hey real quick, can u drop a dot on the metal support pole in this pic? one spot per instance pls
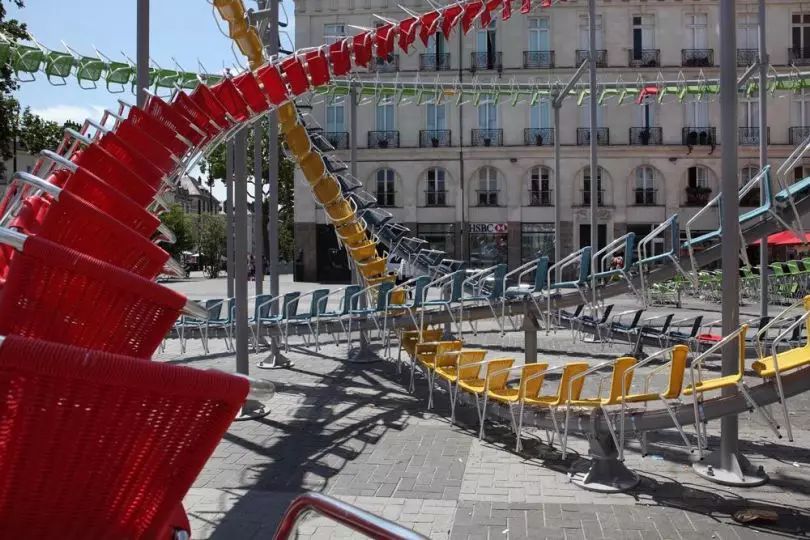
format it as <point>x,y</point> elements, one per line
<point>557,189</point>
<point>229,166</point>
<point>258,211</point>
<point>529,333</point>
<point>764,62</point>
<point>727,466</point>
<point>593,140</point>
<point>356,278</point>
<point>272,151</point>
<point>241,252</point>
<point>142,51</point>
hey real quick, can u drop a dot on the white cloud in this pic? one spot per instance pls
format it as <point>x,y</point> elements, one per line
<point>61,113</point>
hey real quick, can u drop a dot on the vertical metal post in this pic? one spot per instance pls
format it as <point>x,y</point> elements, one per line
<point>229,167</point>
<point>727,466</point>
<point>557,194</point>
<point>241,252</point>
<point>764,62</point>
<point>353,168</point>
<point>272,151</point>
<point>142,51</point>
<point>593,128</point>
<point>258,210</point>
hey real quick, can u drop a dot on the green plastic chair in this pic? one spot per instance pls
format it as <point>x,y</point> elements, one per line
<point>58,67</point>
<point>161,78</point>
<point>26,60</point>
<point>89,71</point>
<point>777,269</point>
<point>793,268</point>
<point>187,81</point>
<point>119,74</point>
<point>209,79</point>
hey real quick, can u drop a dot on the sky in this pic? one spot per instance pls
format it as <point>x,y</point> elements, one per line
<point>183,30</point>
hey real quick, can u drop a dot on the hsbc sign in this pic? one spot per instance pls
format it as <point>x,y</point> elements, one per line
<point>488,228</point>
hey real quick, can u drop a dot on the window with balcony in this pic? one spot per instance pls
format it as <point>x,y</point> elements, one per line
<point>799,54</point>
<point>386,134</point>
<point>388,64</point>
<point>540,132</point>
<point>585,42</point>
<point>488,132</point>
<point>486,55</point>
<point>334,32</point>
<point>336,122</point>
<point>540,187</point>
<point>584,130</point>
<point>697,131</point>
<point>646,130</point>
<point>435,57</point>
<point>799,116</point>
<point>697,186</point>
<point>645,186</point>
<point>752,197</point>
<point>539,54</point>
<point>749,131</point>
<point>436,188</point>
<point>586,187</point>
<point>643,52</point>
<point>487,187</point>
<point>697,52</point>
<point>386,187</point>
<point>747,39</point>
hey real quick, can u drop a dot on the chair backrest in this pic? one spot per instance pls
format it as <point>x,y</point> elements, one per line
<point>696,326</point>
<point>621,381</point>
<point>230,306</point>
<point>667,322</point>
<point>348,303</point>
<point>471,356</point>
<point>99,482</point>
<point>443,359</point>
<point>606,313</point>
<point>318,304</point>
<point>419,285</point>
<point>262,308</point>
<point>636,318</point>
<point>214,308</point>
<point>457,285</point>
<point>585,264</point>
<point>383,295</point>
<point>675,236</point>
<point>677,369</point>
<point>569,372</point>
<point>499,364</point>
<point>629,245</point>
<point>289,306</point>
<point>531,388</point>
<point>497,287</point>
<point>541,274</point>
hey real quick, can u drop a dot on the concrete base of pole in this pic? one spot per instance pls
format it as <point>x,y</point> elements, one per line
<point>275,360</point>
<point>252,410</point>
<point>603,473</point>
<point>362,355</point>
<point>741,473</point>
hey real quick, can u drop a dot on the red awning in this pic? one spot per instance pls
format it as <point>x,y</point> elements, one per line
<point>785,238</point>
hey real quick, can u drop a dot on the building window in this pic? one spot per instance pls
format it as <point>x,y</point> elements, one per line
<point>436,192</point>
<point>485,42</point>
<point>385,187</point>
<point>645,186</point>
<point>488,187</point>
<point>586,187</point>
<point>647,114</point>
<point>488,244</point>
<point>537,240</point>
<point>801,36</point>
<point>540,115</point>
<point>697,186</point>
<point>585,114</point>
<point>539,37</point>
<point>439,236</point>
<point>697,113</point>
<point>487,113</point>
<point>749,113</point>
<point>436,116</point>
<point>698,177</point>
<point>584,33</point>
<point>333,33</point>
<point>697,31</point>
<point>540,187</point>
<point>643,35</point>
<point>800,109</point>
<point>752,197</point>
<point>641,230</point>
<point>385,115</point>
<point>747,31</point>
<point>336,115</point>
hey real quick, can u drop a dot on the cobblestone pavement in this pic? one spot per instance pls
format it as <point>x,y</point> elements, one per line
<point>353,431</point>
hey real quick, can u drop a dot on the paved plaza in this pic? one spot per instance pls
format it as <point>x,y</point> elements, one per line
<point>352,431</point>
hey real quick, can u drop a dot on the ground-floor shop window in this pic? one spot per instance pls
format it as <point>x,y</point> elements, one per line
<point>440,236</point>
<point>656,247</point>
<point>537,239</point>
<point>488,244</point>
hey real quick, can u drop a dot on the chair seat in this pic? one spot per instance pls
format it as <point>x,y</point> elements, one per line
<point>267,320</point>
<point>639,398</point>
<point>331,314</point>
<point>622,326</point>
<point>545,401</point>
<point>755,213</point>
<point>793,189</point>
<point>436,302</point>
<point>566,285</point>
<point>505,395</point>
<point>362,311</point>
<point>476,386</point>
<point>519,291</point>
<point>680,335</point>
<point>713,384</point>
<point>702,238</point>
<point>475,299</point>
<point>448,373</point>
<point>588,402</point>
<point>788,360</point>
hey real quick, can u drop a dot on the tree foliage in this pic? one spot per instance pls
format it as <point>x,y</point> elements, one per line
<point>215,168</point>
<point>177,222</point>
<point>13,30</point>
<point>208,233</point>
<point>37,134</point>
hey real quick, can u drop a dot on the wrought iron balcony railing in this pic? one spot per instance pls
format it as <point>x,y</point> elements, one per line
<point>487,137</point>
<point>697,57</point>
<point>487,197</point>
<point>538,136</point>
<point>383,139</point>
<point>639,58</point>
<point>746,57</point>
<point>434,61</point>
<point>436,197</point>
<point>584,136</point>
<point>699,136</point>
<point>798,133</point>
<point>541,197</point>
<point>601,57</point>
<point>385,65</point>
<point>749,136</point>
<point>491,61</point>
<point>435,138</point>
<point>338,139</point>
<point>646,136</point>
<point>538,59</point>
<point>586,197</point>
<point>645,196</point>
<point>799,57</point>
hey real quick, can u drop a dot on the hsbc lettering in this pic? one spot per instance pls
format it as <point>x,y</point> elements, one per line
<point>488,228</point>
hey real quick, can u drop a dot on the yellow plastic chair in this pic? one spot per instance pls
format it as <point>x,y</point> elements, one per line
<point>313,167</point>
<point>510,395</point>
<point>408,340</point>
<point>568,387</point>
<point>358,239</point>
<point>678,356</point>
<point>470,381</point>
<point>287,114</point>
<point>298,141</point>
<point>326,191</point>
<point>363,252</point>
<point>373,268</point>
<point>340,211</point>
<point>351,229</point>
<point>466,363</point>
<point>250,44</point>
<point>700,386</point>
<point>377,280</point>
<point>426,355</point>
<point>230,10</point>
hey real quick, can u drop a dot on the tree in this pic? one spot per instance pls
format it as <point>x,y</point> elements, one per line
<point>177,222</point>
<point>215,168</point>
<point>37,134</point>
<point>208,231</point>
<point>13,30</point>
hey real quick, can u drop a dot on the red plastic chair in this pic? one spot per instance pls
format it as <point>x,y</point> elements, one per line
<point>173,119</point>
<point>96,446</point>
<point>361,47</point>
<point>231,100</point>
<point>340,58</point>
<point>155,152</point>
<point>384,39</point>
<point>452,14</point>
<point>187,106</point>
<point>251,92</point>
<point>295,74</point>
<point>429,24</point>
<point>273,85</point>
<point>158,130</point>
<point>205,100</point>
<point>407,33</point>
<point>471,12</point>
<point>61,217</point>
<point>58,294</point>
<point>318,67</point>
